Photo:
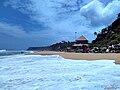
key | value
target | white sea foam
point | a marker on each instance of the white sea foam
(30, 72)
(3, 50)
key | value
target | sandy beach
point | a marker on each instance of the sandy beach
(83, 56)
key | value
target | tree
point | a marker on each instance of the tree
(95, 33)
(118, 15)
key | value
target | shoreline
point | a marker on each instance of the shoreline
(82, 56)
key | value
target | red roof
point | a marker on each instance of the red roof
(81, 38)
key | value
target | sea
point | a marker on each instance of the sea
(19, 71)
(13, 52)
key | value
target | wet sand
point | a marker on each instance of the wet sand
(83, 56)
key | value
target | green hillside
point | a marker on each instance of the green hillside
(109, 35)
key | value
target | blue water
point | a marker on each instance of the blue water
(12, 52)
(36, 72)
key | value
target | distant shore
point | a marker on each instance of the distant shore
(83, 56)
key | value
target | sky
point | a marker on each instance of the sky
(29, 23)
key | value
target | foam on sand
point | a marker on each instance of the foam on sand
(30, 72)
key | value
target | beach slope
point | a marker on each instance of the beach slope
(83, 56)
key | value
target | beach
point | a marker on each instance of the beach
(83, 56)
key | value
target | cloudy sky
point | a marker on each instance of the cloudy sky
(25, 23)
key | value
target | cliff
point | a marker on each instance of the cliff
(109, 35)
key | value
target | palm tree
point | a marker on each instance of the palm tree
(118, 15)
(95, 33)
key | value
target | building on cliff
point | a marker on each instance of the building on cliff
(80, 42)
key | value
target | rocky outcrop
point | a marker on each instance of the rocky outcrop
(109, 35)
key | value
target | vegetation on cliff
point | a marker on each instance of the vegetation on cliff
(108, 35)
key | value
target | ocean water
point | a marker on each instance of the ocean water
(35, 72)
(13, 52)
